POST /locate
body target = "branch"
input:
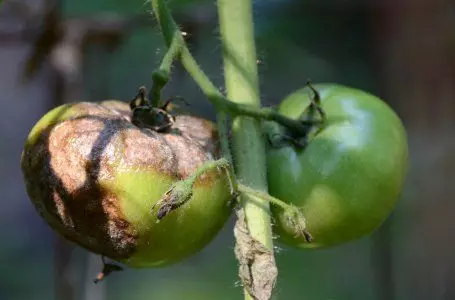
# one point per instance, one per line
(161, 76)
(180, 193)
(171, 31)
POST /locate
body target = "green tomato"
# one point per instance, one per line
(94, 177)
(348, 178)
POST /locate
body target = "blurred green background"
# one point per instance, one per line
(403, 51)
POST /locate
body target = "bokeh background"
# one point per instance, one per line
(403, 50)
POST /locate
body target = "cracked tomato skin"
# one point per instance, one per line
(94, 177)
(349, 177)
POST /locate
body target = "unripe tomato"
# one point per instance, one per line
(94, 177)
(348, 178)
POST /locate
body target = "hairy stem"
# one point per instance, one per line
(294, 215)
(171, 32)
(240, 70)
(223, 163)
(244, 189)
(222, 123)
(220, 163)
(169, 29)
(161, 76)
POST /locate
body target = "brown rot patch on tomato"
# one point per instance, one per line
(202, 131)
(93, 218)
(188, 152)
(64, 171)
(194, 141)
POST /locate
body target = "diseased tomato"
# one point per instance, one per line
(348, 178)
(94, 177)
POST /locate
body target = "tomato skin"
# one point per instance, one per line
(349, 177)
(94, 177)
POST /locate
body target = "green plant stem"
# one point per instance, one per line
(242, 86)
(223, 163)
(171, 33)
(269, 114)
(244, 189)
(222, 124)
(160, 77)
(169, 29)
(220, 163)
(240, 70)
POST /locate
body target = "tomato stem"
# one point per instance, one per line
(181, 192)
(172, 35)
(242, 85)
(223, 163)
(263, 196)
(160, 77)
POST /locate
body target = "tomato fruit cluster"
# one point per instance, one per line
(94, 177)
(94, 174)
(349, 176)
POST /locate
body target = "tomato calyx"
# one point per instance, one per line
(279, 140)
(313, 118)
(144, 115)
(315, 105)
(296, 220)
(180, 193)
